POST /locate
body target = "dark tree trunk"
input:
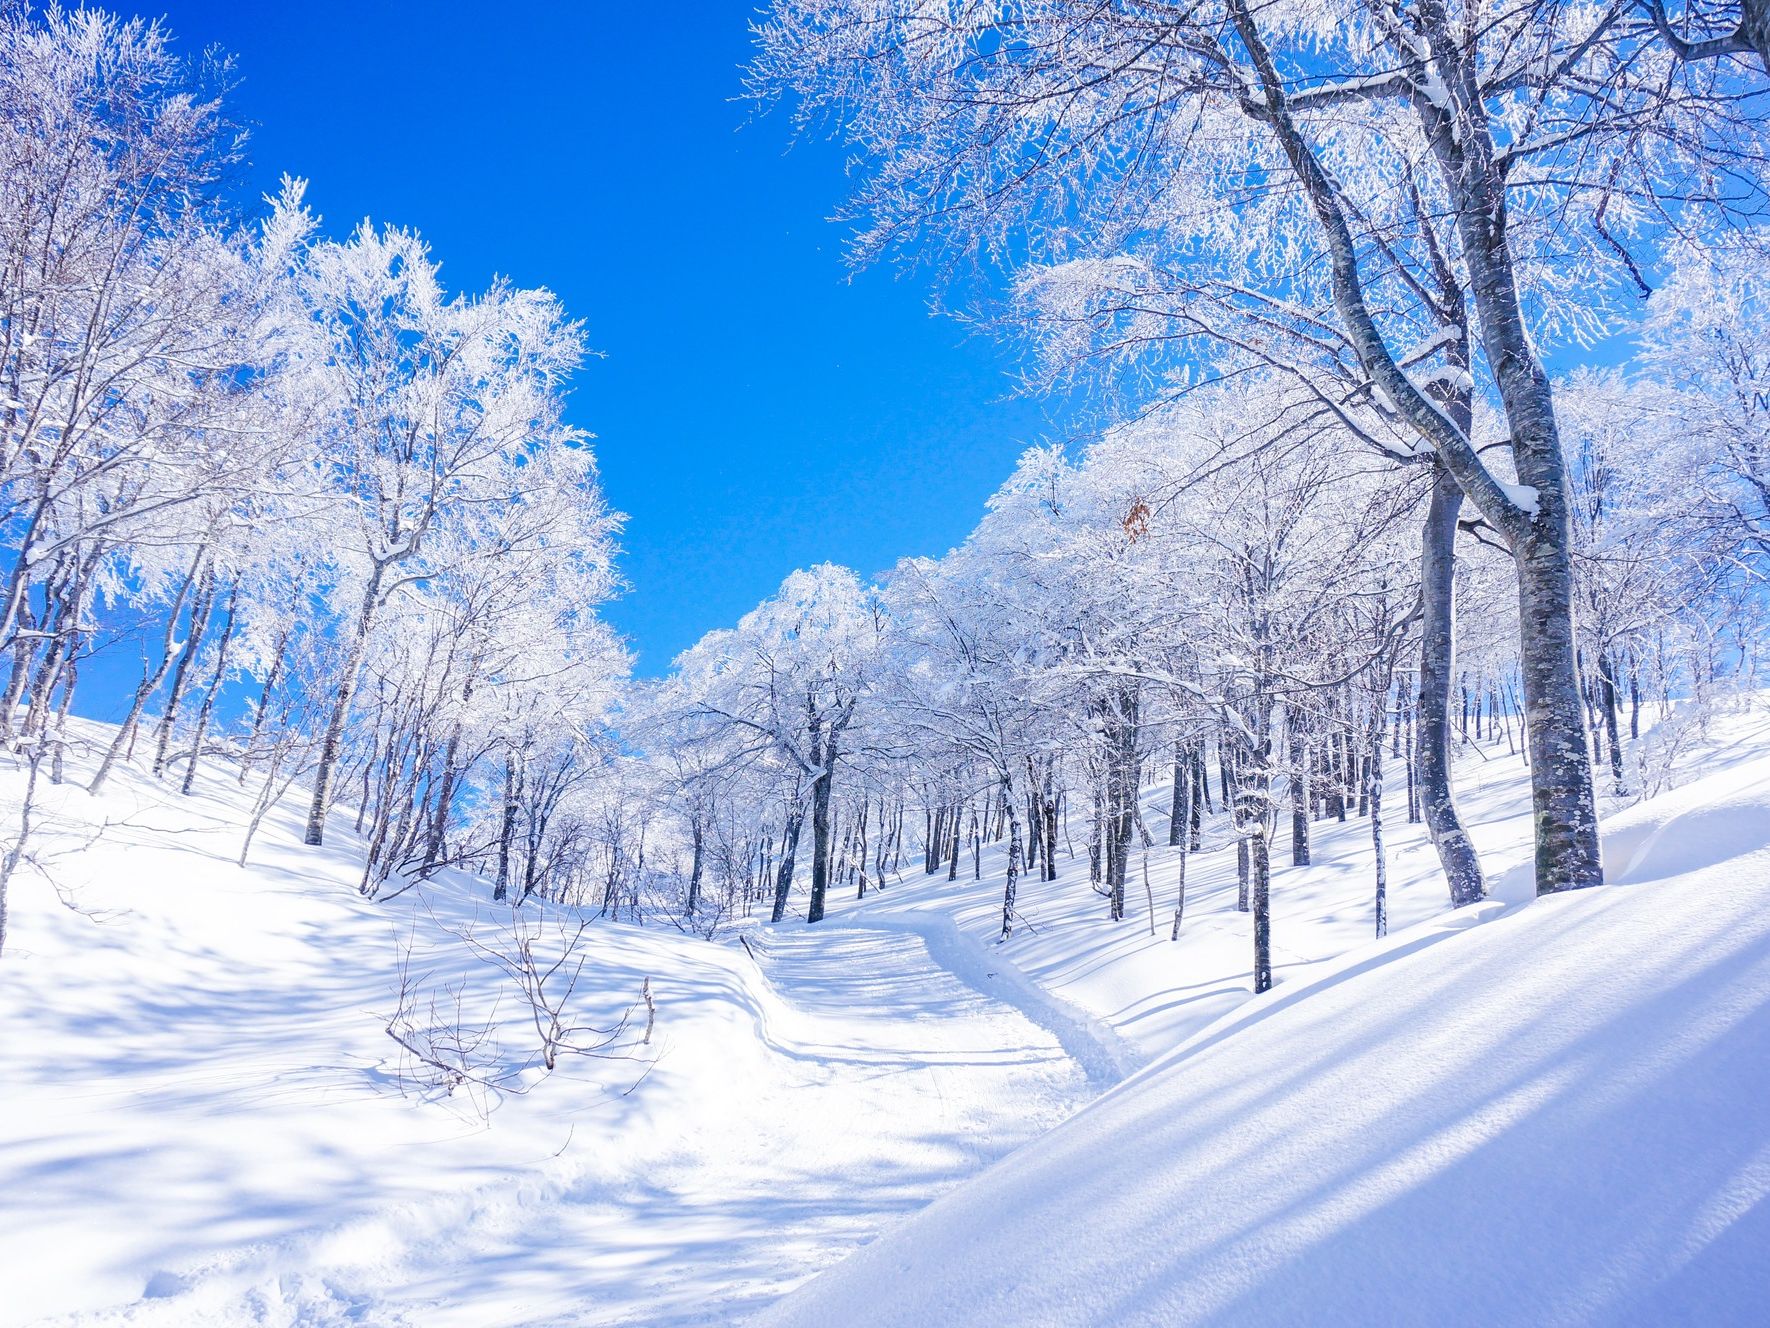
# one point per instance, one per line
(1177, 803)
(1201, 795)
(783, 880)
(826, 754)
(1182, 812)
(1260, 868)
(1607, 701)
(694, 873)
(1444, 824)
(953, 840)
(1634, 696)
(333, 739)
(26, 620)
(436, 836)
(1567, 851)
(70, 677)
(1378, 720)
(1050, 823)
(1299, 781)
(1009, 888)
(506, 828)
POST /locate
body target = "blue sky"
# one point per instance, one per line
(757, 410)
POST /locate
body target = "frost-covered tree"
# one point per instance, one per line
(793, 675)
(436, 404)
(1299, 185)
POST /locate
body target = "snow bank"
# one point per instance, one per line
(1559, 1116)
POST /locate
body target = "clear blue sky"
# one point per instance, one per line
(757, 410)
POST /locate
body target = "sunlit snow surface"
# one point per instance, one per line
(199, 1123)
(1555, 1112)
(1559, 1115)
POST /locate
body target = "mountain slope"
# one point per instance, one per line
(1561, 1115)
(202, 1121)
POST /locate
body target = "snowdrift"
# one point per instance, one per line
(203, 1123)
(1561, 1115)
(1522, 1112)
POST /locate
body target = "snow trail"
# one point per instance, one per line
(1550, 1112)
(200, 1122)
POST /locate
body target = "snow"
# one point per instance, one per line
(201, 1111)
(1555, 1116)
(1455, 377)
(1448, 335)
(1522, 496)
(1544, 1111)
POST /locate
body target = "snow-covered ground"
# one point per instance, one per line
(1559, 1115)
(1147, 993)
(201, 1120)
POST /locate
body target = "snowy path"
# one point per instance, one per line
(893, 1080)
(1548, 1112)
(198, 1125)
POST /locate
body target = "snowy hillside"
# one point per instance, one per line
(1556, 1116)
(202, 1123)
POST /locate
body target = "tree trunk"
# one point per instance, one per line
(1260, 868)
(954, 838)
(1567, 851)
(1299, 781)
(14, 851)
(1182, 811)
(1009, 889)
(506, 829)
(1201, 795)
(70, 678)
(820, 836)
(1378, 721)
(1607, 699)
(334, 735)
(1050, 829)
(1634, 696)
(26, 621)
(694, 873)
(1444, 824)
(783, 880)
(1177, 802)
